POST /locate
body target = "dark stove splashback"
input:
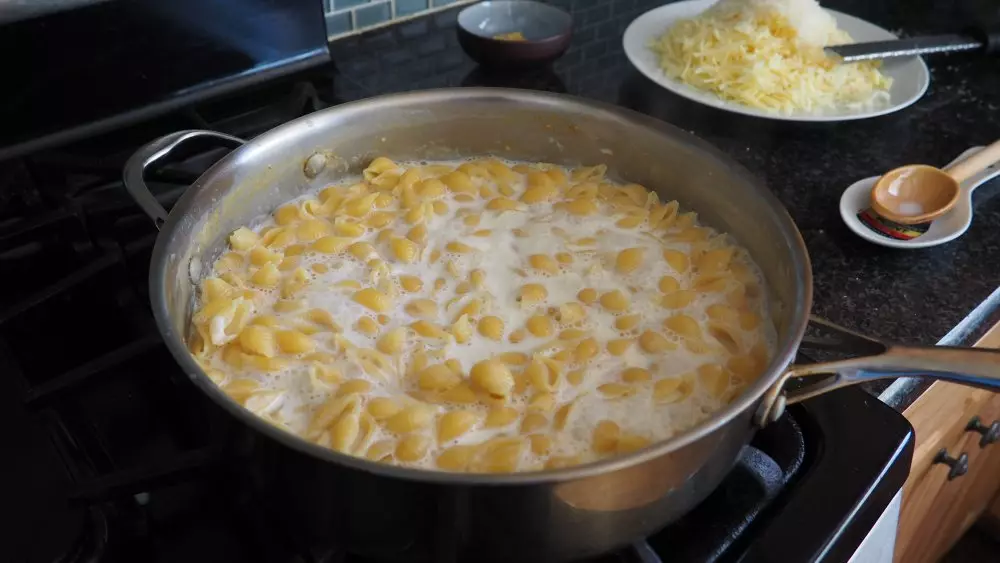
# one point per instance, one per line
(91, 67)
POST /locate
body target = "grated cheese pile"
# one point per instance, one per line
(768, 54)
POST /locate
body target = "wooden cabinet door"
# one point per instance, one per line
(936, 511)
(949, 508)
(974, 496)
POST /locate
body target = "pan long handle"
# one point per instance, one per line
(154, 151)
(976, 367)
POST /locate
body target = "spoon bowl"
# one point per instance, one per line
(918, 194)
(915, 194)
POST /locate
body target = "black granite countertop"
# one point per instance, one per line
(908, 296)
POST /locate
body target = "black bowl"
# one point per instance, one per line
(547, 31)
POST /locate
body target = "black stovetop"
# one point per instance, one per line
(89, 65)
(113, 453)
(116, 455)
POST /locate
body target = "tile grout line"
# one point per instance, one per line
(355, 30)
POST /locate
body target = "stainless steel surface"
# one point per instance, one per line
(549, 516)
(880, 543)
(855, 52)
(902, 392)
(545, 516)
(153, 152)
(16, 10)
(975, 367)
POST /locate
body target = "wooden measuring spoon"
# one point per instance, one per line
(918, 193)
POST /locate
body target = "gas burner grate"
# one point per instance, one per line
(77, 340)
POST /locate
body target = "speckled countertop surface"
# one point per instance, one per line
(914, 297)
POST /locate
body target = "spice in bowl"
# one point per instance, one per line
(512, 36)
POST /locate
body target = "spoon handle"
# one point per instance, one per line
(969, 167)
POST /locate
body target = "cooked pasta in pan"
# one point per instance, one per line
(482, 315)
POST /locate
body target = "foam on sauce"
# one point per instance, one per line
(291, 397)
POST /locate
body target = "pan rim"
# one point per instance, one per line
(785, 351)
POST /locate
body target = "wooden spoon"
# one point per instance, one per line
(918, 193)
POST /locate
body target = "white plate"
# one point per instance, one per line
(946, 228)
(909, 75)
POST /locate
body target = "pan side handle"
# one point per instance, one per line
(975, 367)
(157, 150)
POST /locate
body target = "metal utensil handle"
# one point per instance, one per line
(150, 153)
(875, 50)
(975, 367)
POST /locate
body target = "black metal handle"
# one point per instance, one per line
(991, 433)
(990, 38)
(135, 168)
(959, 466)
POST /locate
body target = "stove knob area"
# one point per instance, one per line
(959, 466)
(991, 433)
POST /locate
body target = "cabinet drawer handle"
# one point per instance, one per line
(959, 466)
(991, 433)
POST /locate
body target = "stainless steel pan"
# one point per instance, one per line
(405, 514)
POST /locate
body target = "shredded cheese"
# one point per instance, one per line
(752, 52)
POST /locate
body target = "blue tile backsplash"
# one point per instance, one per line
(337, 5)
(339, 23)
(372, 14)
(347, 17)
(410, 7)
